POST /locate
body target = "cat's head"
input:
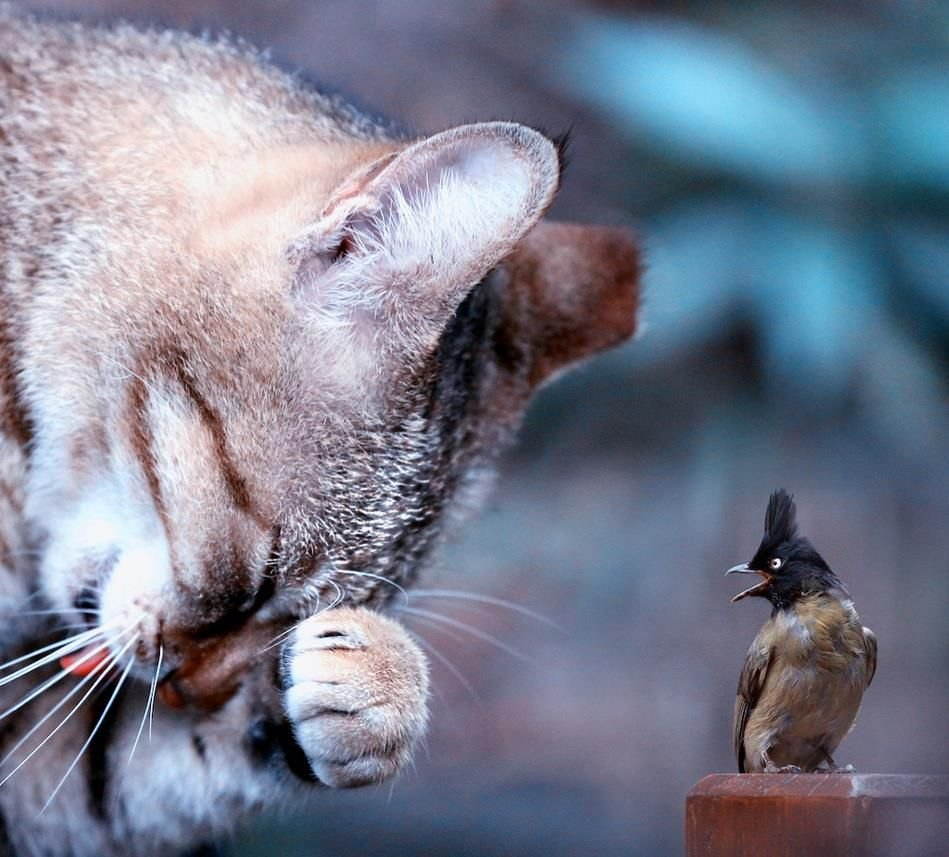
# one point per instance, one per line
(287, 415)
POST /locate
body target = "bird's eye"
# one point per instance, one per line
(776, 563)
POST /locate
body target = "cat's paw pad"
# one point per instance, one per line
(356, 688)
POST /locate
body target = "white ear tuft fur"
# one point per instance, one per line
(401, 247)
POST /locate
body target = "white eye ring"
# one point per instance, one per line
(776, 563)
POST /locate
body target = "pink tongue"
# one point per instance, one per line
(83, 662)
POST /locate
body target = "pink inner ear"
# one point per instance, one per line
(357, 184)
(404, 241)
(499, 191)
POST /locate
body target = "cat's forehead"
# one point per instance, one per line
(299, 447)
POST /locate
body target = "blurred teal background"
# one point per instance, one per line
(787, 168)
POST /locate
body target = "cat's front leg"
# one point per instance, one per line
(355, 693)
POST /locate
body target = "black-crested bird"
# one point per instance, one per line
(804, 677)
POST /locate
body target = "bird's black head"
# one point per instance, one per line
(787, 562)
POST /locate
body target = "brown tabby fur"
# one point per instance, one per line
(253, 349)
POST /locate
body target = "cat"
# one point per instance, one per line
(256, 350)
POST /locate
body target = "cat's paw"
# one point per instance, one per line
(356, 690)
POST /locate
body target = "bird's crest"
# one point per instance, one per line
(780, 525)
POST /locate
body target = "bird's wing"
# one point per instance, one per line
(750, 683)
(870, 647)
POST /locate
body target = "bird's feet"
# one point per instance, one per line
(833, 767)
(771, 768)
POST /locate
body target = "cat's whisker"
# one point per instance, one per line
(19, 604)
(40, 613)
(450, 666)
(340, 596)
(148, 707)
(280, 638)
(58, 677)
(310, 593)
(99, 722)
(284, 633)
(124, 368)
(99, 668)
(477, 598)
(306, 595)
(151, 700)
(378, 577)
(469, 629)
(100, 671)
(59, 649)
(36, 652)
(75, 626)
(452, 635)
(311, 596)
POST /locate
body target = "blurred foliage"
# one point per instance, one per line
(818, 139)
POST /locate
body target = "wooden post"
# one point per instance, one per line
(824, 815)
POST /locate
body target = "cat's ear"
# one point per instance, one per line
(400, 244)
(570, 292)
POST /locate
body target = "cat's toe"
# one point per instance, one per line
(356, 688)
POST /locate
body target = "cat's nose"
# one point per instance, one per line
(209, 670)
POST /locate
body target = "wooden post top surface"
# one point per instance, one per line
(786, 815)
(823, 785)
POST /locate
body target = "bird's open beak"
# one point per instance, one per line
(758, 588)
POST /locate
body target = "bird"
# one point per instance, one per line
(803, 680)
